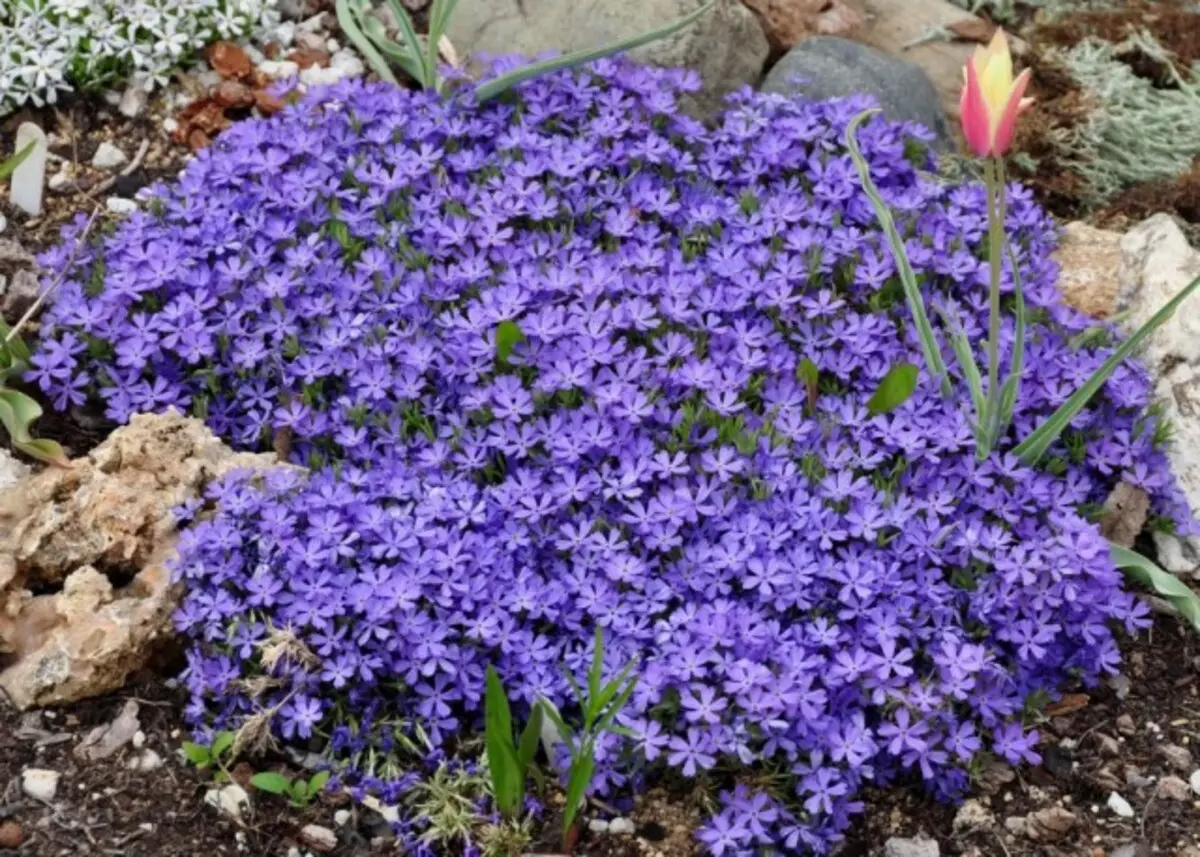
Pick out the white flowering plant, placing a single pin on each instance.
(48, 47)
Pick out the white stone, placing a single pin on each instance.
(1194, 781)
(342, 817)
(598, 825)
(317, 23)
(348, 64)
(332, 46)
(973, 815)
(61, 179)
(311, 41)
(11, 470)
(136, 96)
(230, 800)
(120, 205)
(40, 784)
(621, 826)
(318, 838)
(1119, 805)
(170, 125)
(315, 75)
(139, 739)
(108, 157)
(145, 761)
(29, 179)
(279, 69)
(3, 223)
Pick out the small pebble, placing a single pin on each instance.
(120, 205)
(1179, 758)
(139, 739)
(1125, 725)
(40, 784)
(1119, 805)
(621, 826)
(342, 817)
(1194, 781)
(598, 825)
(1173, 788)
(279, 69)
(145, 761)
(231, 800)
(318, 838)
(170, 125)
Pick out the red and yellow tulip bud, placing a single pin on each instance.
(992, 99)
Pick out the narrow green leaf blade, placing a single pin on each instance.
(439, 18)
(8, 167)
(44, 450)
(582, 767)
(197, 755)
(808, 373)
(271, 782)
(595, 674)
(966, 361)
(894, 390)
(411, 42)
(350, 22)
(934, 362)
(1164, 584)
(1011, 387)
(501, 755)
(527, 748)
(497, 86)
(1034, 447)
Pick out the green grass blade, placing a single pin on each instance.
(527, 747)
(348, 20)
(439, 18)
(934, 361)
(1034, 447)
(501, 755)
(1163, 583)
(412, 43)
(497, 86)
(7, 167)
(966, 360)
(582, 767)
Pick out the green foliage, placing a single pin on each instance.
(212, 757)
(7, 167)
(508, 763)
(1163, 583)
(299, 792)
(507, 337)
(600, 704)
(418, 57)
(894, 390)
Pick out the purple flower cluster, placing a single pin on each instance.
(815, 593)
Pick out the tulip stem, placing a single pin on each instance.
(994, 179)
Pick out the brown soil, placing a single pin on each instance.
(1106, 744)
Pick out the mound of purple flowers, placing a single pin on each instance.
(815, 593)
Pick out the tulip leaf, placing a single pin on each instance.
(1164, 584)
(895, 388)
(349, 15)
(934, 362)
(1032, 448)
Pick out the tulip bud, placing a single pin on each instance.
(991, 99)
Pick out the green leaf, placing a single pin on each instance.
(970, 369)
(615, 709)
(595, 673)
(895, 388)
(7, 167)
(317, 782)
(611, 689)
(507, 781)
(222, 742)
(271, 782)
(808, 373)
(412, 44)
(507, 337)
(497, 86)
(14, 345)
(934, 361)
(439, 18)
(580, 777)
(43, 450)
(1034, 447)
(300, 792)
(1165, 584)
(348, 15)
(527, 748)
(197, 755)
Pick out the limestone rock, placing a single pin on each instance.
(899, 847)
(786, 22)
(39, 783)
(1157, 263)
(1089, 260)
(1050, 824)
(826, 67)
(93, 540)
(726, 46)
(973, 815)
(108, 738)
(11, 470)
(29, 178)
(19, 285)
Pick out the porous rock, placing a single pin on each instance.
(726, 46)
(93, 541)
(1050, 825)
(1089, 261)
(973, 815)
(825, 67)
(1156, 264)
(19, 283)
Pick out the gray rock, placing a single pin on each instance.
(726, 46)
(18, 292)
(897, 847)
(1119, 805)
(1173, 788)
(108, 738)
(621, 826)
(108, 157)
(120, 205)
(318, 838)
(1179, 758)
(1050, 824)
(824, 67)
(135, 97)
(973, 815)
(230, 800)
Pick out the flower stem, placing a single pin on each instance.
(994, 179)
